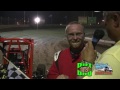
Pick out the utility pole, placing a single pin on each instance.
(84, 13)
(37, 23)
(15, 20)
(1, 20)
(24, 17)
(50, 16)
(92, 13)
(8, 20)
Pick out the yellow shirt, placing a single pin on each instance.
(112, 58)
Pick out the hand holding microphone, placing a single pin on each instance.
(89, 53)
(98, 34)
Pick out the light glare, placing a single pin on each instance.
(37, 20)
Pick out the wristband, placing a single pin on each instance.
(86, 61)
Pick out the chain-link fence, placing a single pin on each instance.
(13, 21)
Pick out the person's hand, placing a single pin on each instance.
(88, 53)
(62, 77)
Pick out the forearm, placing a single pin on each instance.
(52, 76)
(53, 72)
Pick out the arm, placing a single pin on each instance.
(88, 53)
(53, 72)
(113, 63)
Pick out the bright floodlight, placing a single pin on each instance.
(37, 20)
(96, 11)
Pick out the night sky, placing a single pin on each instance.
(57, 16)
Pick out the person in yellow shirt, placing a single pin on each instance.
(110, 56)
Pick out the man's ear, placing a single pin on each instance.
(116, 19)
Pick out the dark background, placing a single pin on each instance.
(54, 17)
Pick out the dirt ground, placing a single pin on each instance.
(46, 43)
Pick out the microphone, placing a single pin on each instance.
(98, 34)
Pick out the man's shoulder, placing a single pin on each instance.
(56, 54)
(113, 50)
(63, 51)
(110, 54)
